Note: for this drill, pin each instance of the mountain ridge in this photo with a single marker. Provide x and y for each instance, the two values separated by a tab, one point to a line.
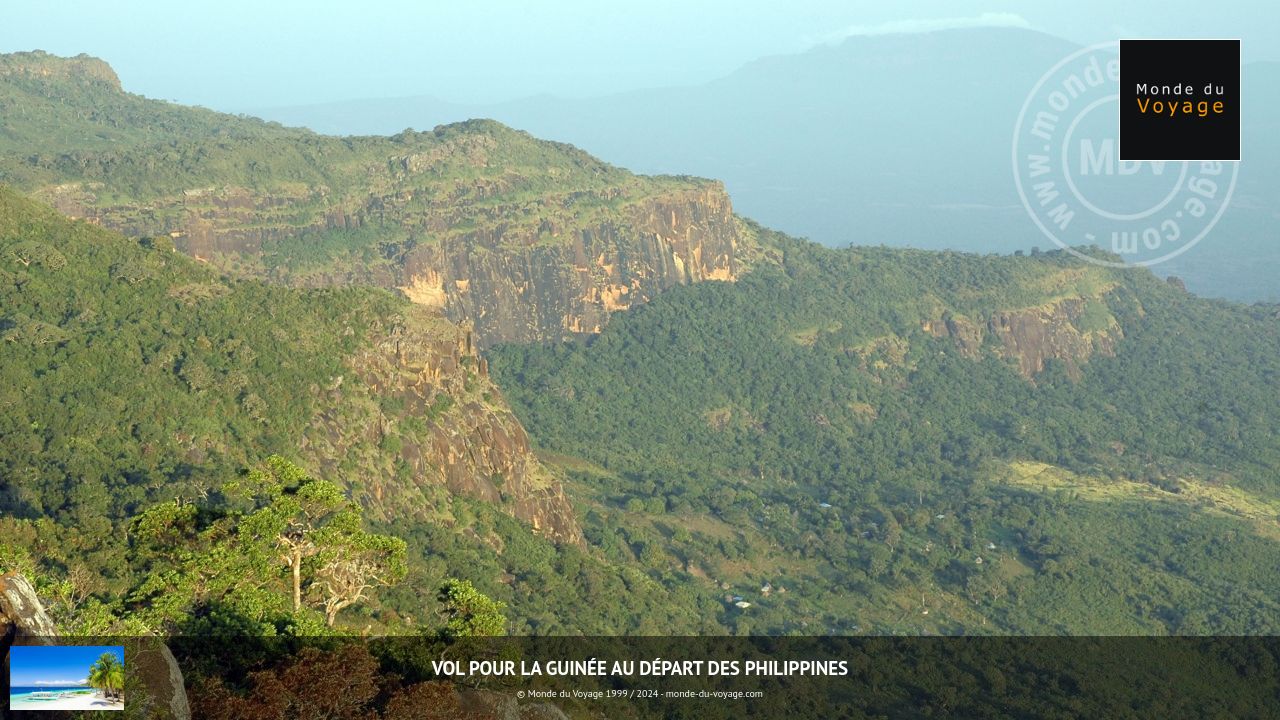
927	442
900	139
400	377
526	239
868	439
43	65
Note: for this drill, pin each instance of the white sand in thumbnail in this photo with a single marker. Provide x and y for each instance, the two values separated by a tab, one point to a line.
64	701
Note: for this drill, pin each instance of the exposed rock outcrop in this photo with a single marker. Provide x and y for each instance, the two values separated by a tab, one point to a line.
516	287
22	617
43	66
152	663
525	252
1058	330
1055	332
541	711
517	281
23	621
489	705
438	422
967	334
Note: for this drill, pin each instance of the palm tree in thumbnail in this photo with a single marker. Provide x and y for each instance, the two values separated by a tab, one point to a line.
107	673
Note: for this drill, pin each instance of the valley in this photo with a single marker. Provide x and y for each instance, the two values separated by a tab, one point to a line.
607	401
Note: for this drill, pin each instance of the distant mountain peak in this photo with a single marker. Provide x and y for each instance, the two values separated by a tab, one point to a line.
40	65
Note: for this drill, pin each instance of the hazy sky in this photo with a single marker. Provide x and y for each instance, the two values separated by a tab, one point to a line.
241	54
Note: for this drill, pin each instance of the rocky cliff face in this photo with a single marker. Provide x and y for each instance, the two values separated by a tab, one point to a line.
23	621
419	404
386	397
22	616
518	287
42	66
528	240
515	281
1070	330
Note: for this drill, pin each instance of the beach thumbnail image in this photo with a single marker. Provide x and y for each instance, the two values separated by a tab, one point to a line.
66	677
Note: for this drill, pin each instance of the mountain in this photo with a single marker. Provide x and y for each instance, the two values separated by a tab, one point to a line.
524	239
895	139
104	333
845	438
924	442
835	143
132	376
859	440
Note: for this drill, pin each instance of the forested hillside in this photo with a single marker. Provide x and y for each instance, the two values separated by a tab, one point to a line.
931	442
841	441
134	379
526	239
868	440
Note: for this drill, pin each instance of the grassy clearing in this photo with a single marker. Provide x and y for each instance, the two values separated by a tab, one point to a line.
1261	512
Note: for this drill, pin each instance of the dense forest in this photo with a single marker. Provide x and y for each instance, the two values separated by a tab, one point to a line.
70	133
839	441
523	238
844	441
810	428
249	390
134	378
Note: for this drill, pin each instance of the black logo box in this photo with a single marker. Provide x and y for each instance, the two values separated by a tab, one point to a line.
1185	67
